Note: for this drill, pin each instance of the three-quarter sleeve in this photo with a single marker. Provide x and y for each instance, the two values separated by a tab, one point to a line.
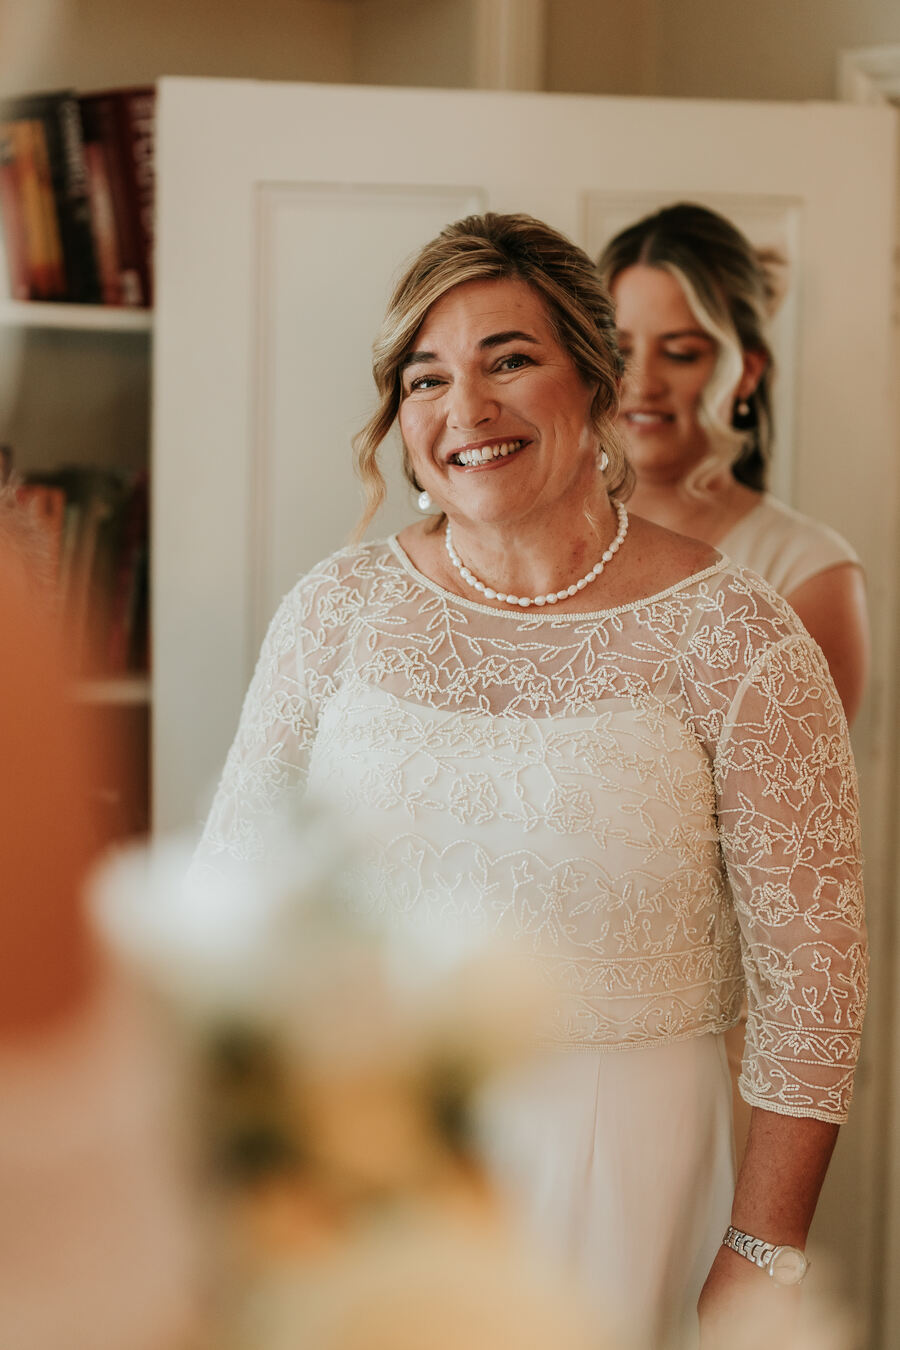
268	758
789	830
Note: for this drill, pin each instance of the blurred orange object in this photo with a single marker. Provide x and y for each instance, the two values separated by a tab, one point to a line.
49	836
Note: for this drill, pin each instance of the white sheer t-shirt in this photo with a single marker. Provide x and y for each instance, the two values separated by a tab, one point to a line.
657	802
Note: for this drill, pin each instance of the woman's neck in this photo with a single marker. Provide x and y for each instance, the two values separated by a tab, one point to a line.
708	517
530	562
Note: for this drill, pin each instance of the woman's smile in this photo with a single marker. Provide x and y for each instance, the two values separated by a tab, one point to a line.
487	453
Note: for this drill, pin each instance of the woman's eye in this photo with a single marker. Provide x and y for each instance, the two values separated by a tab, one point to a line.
515	361
684	357
422	382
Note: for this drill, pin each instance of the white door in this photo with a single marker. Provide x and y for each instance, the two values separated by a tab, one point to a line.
284	212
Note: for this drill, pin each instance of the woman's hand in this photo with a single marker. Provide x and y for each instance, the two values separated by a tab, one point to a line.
740	1305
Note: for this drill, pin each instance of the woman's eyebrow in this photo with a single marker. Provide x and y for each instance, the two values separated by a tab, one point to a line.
413	358
492	340
676	333
511	335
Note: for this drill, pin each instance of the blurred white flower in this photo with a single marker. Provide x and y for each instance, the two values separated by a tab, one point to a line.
419	1282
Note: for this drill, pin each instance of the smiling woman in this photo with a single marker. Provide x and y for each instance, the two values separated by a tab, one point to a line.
693	300
606	757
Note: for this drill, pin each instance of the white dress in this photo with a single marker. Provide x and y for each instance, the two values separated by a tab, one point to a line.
658	803
783	546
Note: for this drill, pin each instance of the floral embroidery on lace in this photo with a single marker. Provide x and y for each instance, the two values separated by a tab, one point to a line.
657	802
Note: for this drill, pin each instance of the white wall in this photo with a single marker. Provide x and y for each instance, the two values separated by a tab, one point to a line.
93	43
601	46
414	42
772	49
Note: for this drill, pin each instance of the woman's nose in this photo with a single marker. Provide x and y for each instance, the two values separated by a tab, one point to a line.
644	376
471	403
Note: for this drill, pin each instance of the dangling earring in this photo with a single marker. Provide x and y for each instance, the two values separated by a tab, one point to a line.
423	501
743	408
603	461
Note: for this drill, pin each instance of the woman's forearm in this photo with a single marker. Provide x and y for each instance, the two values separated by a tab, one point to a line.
781	1176
775	1198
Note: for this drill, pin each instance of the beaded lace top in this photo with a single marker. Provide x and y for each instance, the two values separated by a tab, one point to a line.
658	802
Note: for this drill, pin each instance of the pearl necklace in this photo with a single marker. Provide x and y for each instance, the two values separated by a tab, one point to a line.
524	601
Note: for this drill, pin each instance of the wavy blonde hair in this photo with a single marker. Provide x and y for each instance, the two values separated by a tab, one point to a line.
487	248
731	290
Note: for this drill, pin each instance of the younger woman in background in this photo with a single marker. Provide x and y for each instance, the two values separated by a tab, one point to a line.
692	302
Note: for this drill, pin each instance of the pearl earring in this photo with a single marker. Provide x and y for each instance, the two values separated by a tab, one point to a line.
743	408
423	501
603	461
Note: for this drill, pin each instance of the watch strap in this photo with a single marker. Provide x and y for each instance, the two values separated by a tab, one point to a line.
753	1248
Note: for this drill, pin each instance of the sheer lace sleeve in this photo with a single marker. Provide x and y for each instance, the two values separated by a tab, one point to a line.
789	832
269	754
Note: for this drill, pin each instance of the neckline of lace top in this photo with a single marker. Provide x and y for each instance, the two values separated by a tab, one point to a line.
552	613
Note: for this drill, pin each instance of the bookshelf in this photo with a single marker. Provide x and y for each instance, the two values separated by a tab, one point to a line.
98	346
74	318
123	691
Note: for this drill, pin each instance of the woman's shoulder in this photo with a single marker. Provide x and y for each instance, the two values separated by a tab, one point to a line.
350	571
784	546
656	560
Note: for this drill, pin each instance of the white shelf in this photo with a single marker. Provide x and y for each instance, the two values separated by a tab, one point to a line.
130	690
79	318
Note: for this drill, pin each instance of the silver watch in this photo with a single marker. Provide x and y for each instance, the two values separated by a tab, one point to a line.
785	1265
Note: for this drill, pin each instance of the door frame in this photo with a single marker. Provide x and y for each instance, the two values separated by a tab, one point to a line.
871	76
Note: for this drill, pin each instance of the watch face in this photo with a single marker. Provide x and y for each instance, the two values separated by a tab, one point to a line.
787	1265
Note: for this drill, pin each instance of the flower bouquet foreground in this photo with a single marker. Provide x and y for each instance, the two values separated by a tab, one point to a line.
331	1065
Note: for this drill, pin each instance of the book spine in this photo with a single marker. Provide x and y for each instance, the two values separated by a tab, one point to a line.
43	250
48	507
137	112
103	217
12	217
108	169
127	640
70	182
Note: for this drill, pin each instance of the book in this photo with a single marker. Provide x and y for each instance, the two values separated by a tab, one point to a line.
138	108
103	217
127	643
48	507
54	121
32	183
116	226
12	218
87	506
119	134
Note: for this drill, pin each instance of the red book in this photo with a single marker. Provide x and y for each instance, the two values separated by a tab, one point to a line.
119	133
139	115
119	241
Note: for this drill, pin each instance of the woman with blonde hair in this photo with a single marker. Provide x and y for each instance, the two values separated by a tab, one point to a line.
596	738
693	301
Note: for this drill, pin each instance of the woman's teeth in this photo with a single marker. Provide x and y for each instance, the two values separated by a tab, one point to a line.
647	419
482	454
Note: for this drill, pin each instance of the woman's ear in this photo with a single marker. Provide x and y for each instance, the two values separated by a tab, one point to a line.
755	365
